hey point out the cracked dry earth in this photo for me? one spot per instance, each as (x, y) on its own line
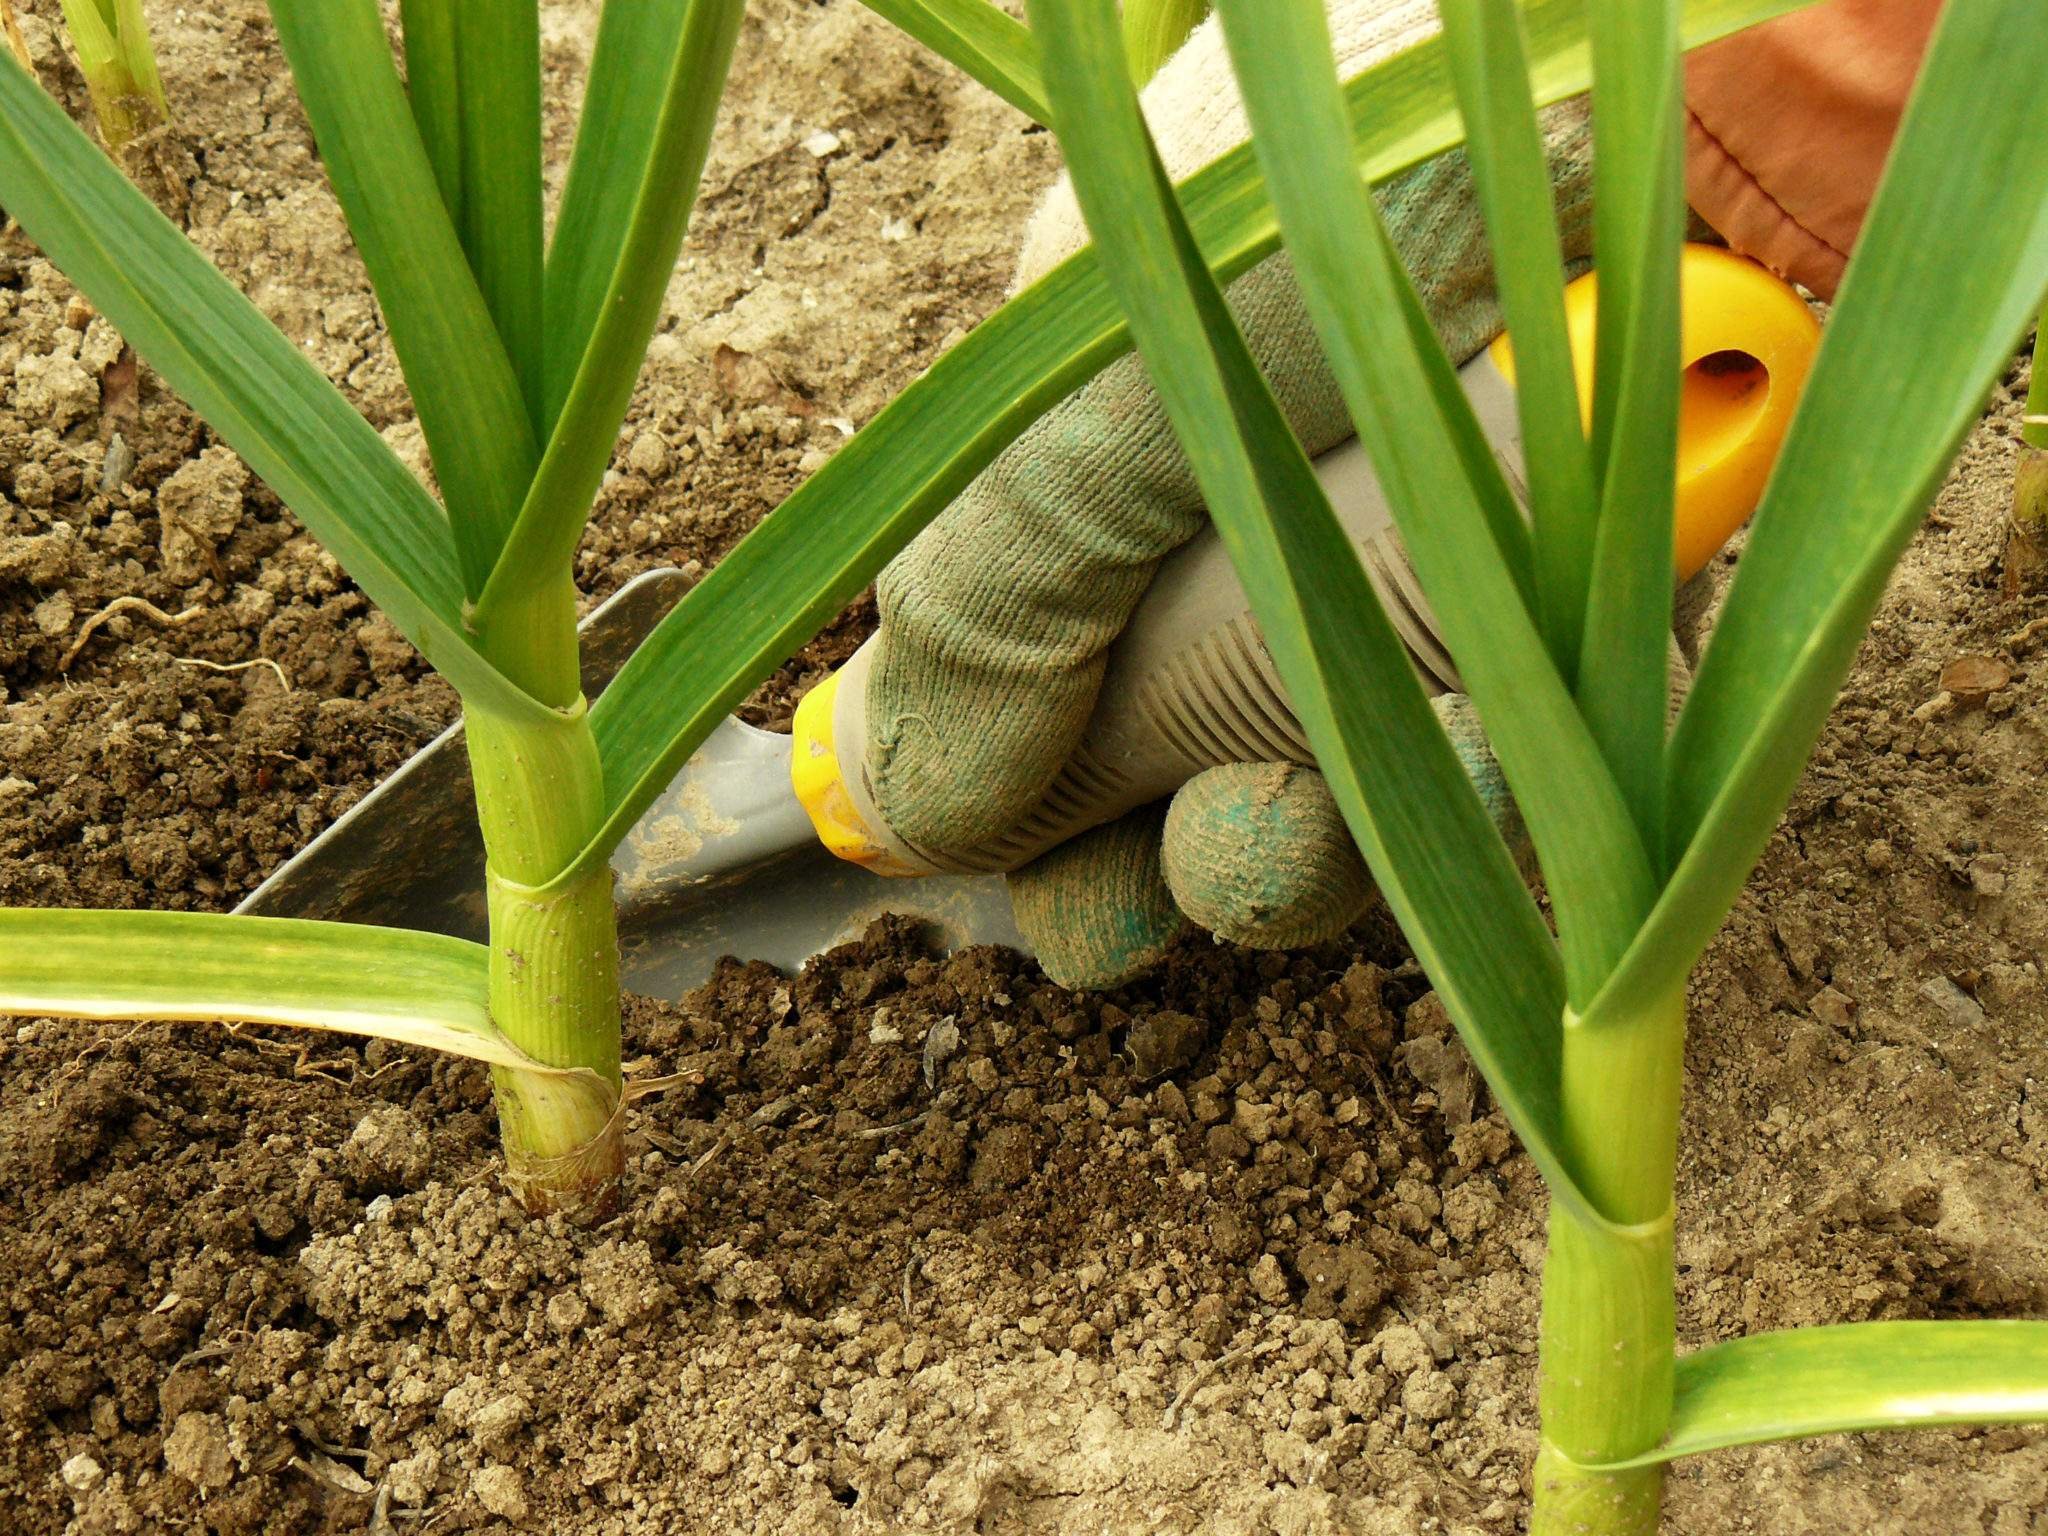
(922, 1242)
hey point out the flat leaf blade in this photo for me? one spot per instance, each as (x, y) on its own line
(252, 385)
(500, 222)
(419, 988)
(1952, 263)
(1802, 1382)
(433, 84)
(1639, 222)
(131, 30)
(1439, 860)
(579, 446)
(1489, 65)
(456, 366)
(92, 35)
(1415, 423)
(629, 67)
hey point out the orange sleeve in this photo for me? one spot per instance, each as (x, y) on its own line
(1788, 125)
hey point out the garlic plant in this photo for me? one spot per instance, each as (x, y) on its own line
(521, 355)
(1560, 627)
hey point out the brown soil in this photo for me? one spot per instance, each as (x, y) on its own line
(925, 1242)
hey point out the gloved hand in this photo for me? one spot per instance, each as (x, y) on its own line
(995, 623)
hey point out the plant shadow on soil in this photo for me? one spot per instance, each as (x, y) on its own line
(919, 1241)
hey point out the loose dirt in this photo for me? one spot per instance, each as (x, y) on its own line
(921, 1242)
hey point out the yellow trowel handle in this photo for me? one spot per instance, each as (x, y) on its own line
(1189, 686)
(1745, 342)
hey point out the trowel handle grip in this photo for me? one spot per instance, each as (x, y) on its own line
(1189, 685)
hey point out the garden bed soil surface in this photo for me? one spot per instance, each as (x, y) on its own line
(921, 1242)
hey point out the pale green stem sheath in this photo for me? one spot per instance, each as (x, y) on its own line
(531, 637)
(554, 965)
(1609, 1338)
(555, 993)
(119, 65)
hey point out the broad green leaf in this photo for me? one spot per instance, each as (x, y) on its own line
(433, 84)
(1489, 63)
(828, 540)
(418, 988)
(579, 445)
(1638, 227)
(1439, 861)
(473, 77)
(1855, 1376)
(989, 44)
(461, 379)
(252, 385)
(500, 222)
(608, 170)
(1903, 368)
(1154, 31)
(1411, 415)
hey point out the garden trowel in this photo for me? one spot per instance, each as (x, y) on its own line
(770, 846)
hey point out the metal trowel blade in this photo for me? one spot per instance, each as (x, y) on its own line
(724, 863)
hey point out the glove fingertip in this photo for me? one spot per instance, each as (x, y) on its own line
(1258, 854)
(1096, 909)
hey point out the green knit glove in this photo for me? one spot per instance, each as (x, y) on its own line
(1256, 853)
(995, 623)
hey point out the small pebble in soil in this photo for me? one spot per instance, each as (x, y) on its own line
(1165, 1042)
(197, 1450)
(1971, 679)
(940, 1042)
(1269, 1282)
(412, 1480)
(622, 1281)
(501, 1490)
(497, 1421)
(1402, 1350)
(1005, 1158)
(567, 1311)
(1430, 1396)
(734, 1277)
(1344, 1280)
(199, 506)
(1952, 1002)
(387, 1151)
